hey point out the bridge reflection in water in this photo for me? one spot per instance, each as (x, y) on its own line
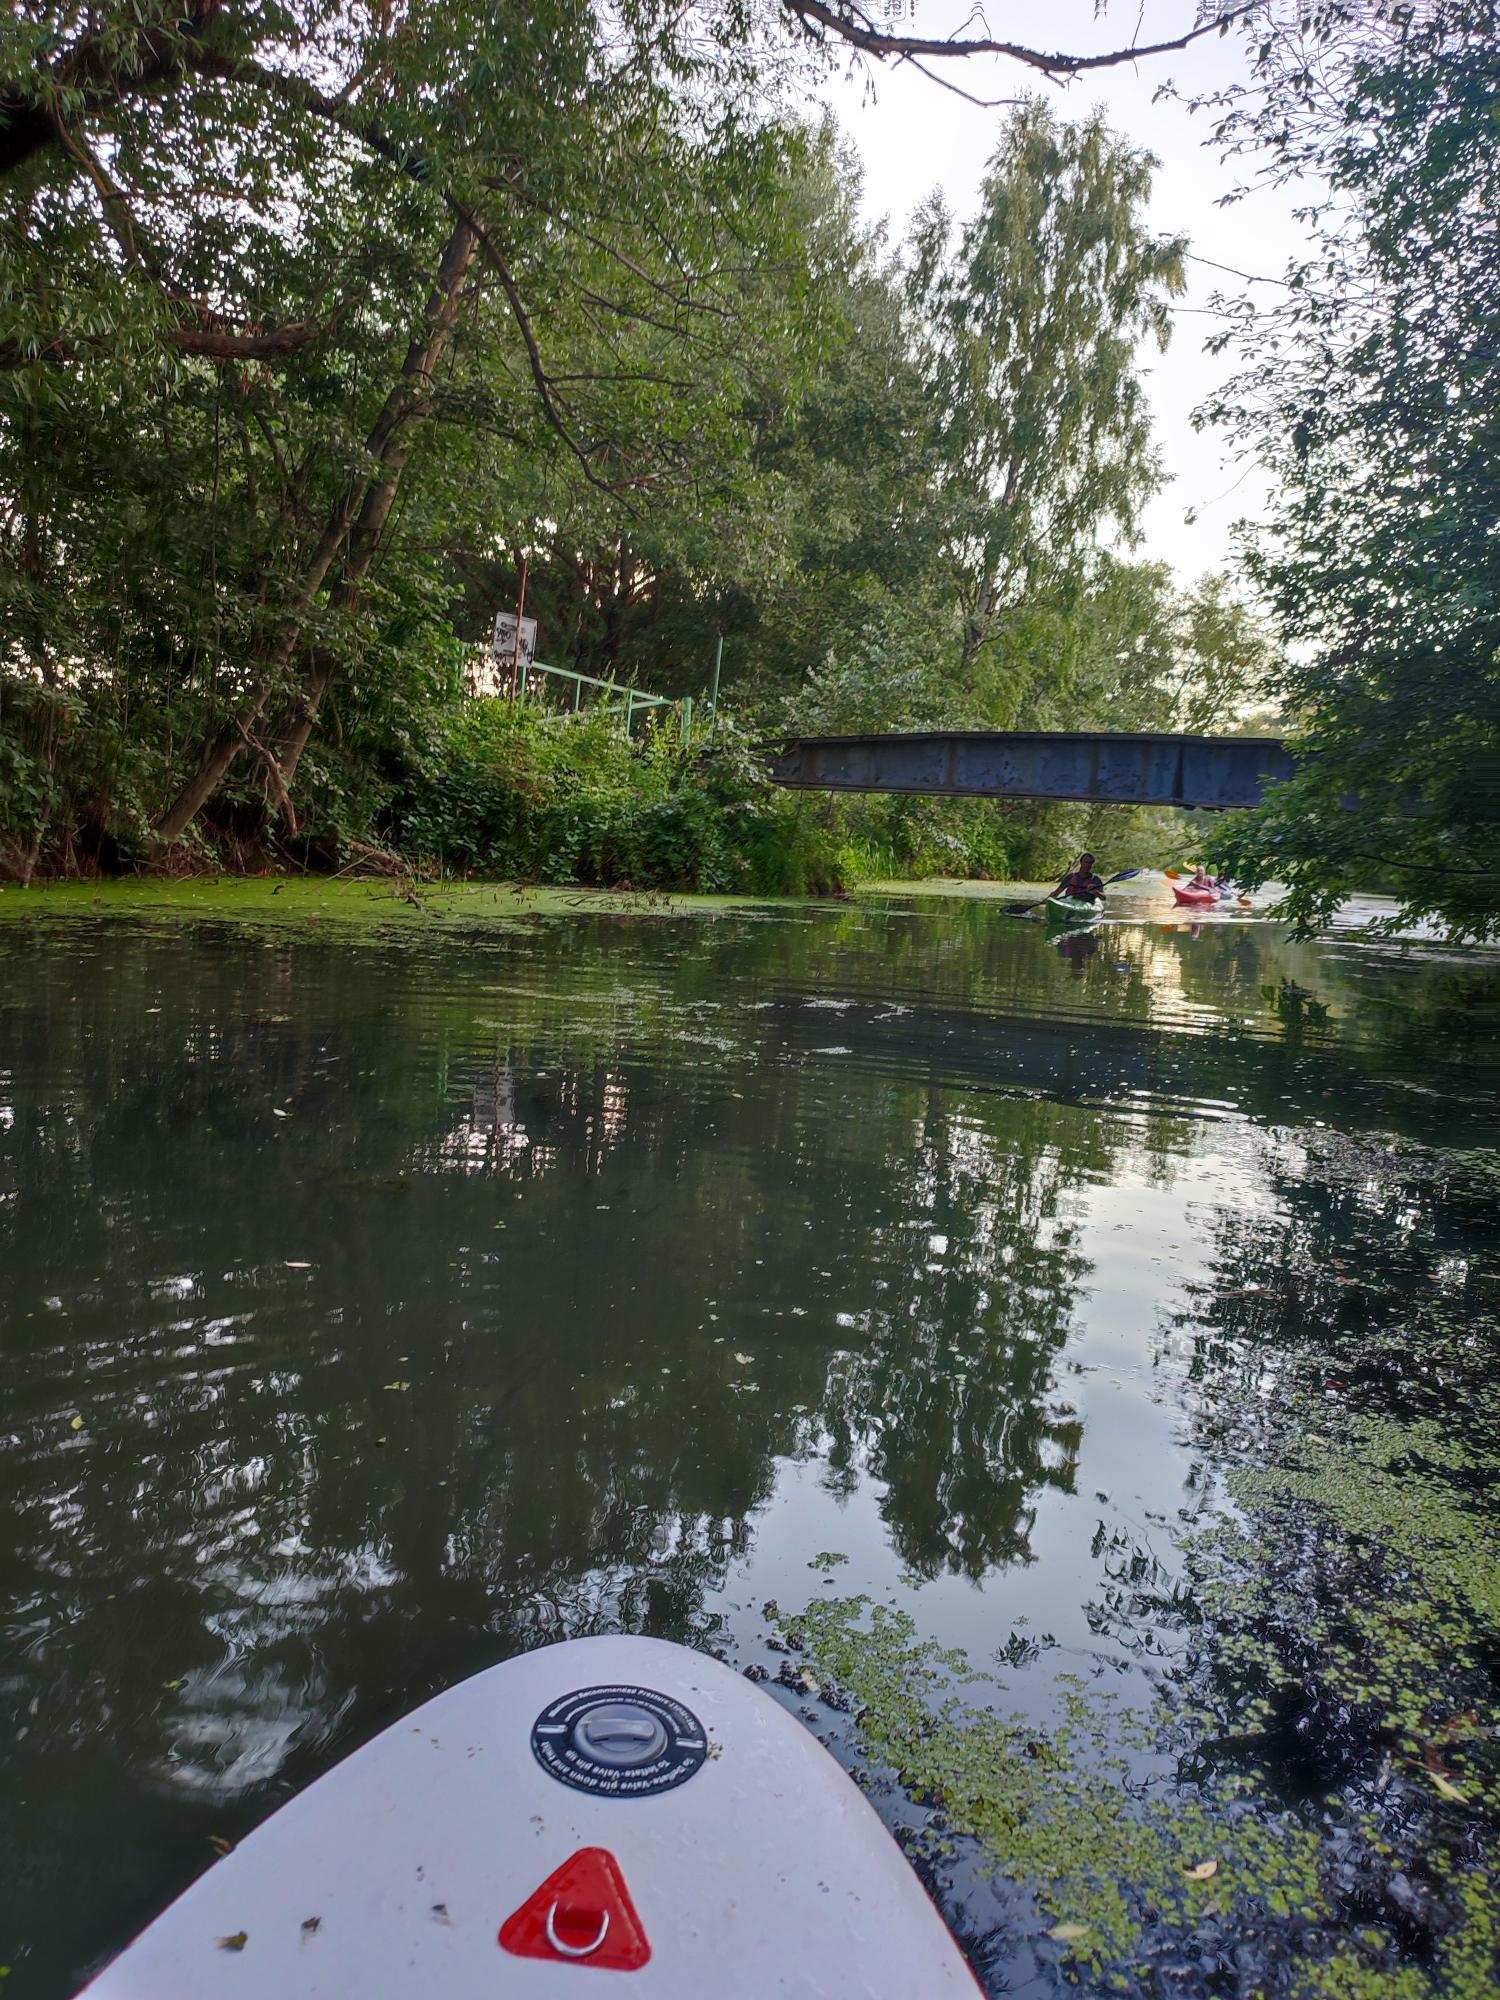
(1110, 766)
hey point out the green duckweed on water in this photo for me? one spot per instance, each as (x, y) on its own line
(1305, 1806)
(396, 903)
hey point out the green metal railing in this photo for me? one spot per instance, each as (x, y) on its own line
(609, 697)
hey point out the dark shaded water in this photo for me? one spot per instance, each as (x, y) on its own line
(423, 1302)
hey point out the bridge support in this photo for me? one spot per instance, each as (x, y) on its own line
(1111, 767)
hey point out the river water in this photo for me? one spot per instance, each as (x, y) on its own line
(374, 1308)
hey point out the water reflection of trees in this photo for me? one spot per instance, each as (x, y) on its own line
(556, 1189)
(253, 1540)
(948, 1397)
(1359, 1278)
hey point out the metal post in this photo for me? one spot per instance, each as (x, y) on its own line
(713, 700)
(521, 683)
(515, 665)
(687, 718)
(629, 708)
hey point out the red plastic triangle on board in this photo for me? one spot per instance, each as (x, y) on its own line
(581, 1915)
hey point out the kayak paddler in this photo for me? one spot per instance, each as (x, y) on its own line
(1082, 885)
(1203, 880)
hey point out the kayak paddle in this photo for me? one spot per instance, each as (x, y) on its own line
(1025, 909)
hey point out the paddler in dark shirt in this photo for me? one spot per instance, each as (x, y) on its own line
(1083, 885)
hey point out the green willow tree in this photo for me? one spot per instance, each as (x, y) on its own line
(323, 283)
(834, 511)
(1034, 325)
(1373, 393)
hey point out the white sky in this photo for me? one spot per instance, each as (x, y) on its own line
(913, 136)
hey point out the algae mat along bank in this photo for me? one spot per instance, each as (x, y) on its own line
(1063, 1369)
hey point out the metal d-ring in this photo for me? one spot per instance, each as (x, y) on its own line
(575, 1950)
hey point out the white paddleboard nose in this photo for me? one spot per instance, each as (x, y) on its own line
(612, 1806)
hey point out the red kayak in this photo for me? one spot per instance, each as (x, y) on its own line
(1199, 899)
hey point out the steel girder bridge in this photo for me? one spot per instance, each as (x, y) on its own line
(1108, 766)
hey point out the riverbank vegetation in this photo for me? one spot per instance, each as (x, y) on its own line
(295, 377)
(318, 330)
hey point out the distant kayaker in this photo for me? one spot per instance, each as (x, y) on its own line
(1203, 880)
(1083, 885)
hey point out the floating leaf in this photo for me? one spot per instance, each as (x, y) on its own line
(293, 1265)
(744, 1359)
(1203, 1872)
(219, 1844)
(277, 1112)
(395, 1385)
(235, 1943)
(1068, 1933)
(1432, 1763)
(76, 1424)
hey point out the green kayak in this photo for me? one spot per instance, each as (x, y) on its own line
(1072, 910)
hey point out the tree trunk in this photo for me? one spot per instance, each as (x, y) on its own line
(358, 518)
(422, 359)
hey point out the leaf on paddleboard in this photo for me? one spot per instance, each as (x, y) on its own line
(235, 1943)
(440, 1912)
(76, 1424)
(219, 1844)
(1204, 1871)
(311, 1926)
(1068, 1933)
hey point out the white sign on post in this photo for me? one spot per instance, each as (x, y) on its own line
(505, 640)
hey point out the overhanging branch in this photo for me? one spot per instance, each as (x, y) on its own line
(211, 342)
(850, 23)
(539, 375)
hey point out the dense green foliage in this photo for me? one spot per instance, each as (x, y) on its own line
(315, 322)
(502, 790)
(1373, 390)
(287, 311)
